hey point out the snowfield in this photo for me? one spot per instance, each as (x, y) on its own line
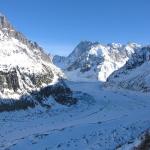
(103, 119)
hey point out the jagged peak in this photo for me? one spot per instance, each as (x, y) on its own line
(114, 45)
(88, 43)
(84, 46)
(4, 22)
(10, 32)
(134, 44)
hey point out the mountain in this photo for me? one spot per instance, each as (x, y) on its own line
(27, 73)
(23, 64)
(135, 74)
(92, 61)
(72, 115)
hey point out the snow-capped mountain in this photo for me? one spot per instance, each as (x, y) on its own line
(135, 74)
(91, 61)
(23, 64)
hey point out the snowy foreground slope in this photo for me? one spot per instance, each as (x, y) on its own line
(92, 61)
(103, 119)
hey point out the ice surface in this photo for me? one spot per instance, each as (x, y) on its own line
(112, 119)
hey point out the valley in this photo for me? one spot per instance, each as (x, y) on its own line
(105, 119)
(96, 98)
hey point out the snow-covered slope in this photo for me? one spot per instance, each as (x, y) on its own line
(102, 120)
(92, 61)
(23, 64)
(135, 75)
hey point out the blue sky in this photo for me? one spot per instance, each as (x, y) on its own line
(59, 25)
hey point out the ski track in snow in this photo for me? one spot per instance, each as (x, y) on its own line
(111, 120)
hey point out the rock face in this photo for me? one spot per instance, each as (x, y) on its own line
(24, 66)
(135, 74)
(59, 91)
(9, 80)
(8, 31)
(91, 61)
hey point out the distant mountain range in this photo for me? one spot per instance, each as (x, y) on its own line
(126, 66)
(93, 61)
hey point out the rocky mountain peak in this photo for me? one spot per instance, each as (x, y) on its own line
(95, 61)
(5, 24)
(8, 32)
(135, 73)
(22, 62)
(86, 45)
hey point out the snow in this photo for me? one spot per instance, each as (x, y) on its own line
(15, 54)
(98, 50)
(102, 60)
(104, 120)
(130, 146)
(135, 74)
(76, 75)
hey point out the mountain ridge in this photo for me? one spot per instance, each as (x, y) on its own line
(27, 74)
(94, 61)
(135, 74)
